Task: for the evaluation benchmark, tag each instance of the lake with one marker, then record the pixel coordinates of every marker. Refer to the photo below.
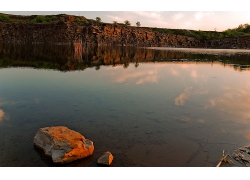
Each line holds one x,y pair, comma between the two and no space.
148,107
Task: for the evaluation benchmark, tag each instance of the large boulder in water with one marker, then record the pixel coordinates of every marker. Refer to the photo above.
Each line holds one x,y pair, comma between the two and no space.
62,144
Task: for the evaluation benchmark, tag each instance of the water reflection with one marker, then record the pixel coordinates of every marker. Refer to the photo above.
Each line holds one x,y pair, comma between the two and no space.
180,100
141,77
169,113
79,57
233,100
1,115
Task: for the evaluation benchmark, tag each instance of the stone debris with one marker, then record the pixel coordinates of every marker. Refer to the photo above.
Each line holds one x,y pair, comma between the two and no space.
244,149
106,158
241,155
62,144
240,158
246,158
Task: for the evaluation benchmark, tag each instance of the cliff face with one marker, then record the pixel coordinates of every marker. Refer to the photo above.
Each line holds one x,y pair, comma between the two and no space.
107,34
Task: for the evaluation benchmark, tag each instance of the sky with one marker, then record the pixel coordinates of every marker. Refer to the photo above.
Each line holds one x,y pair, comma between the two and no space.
195,15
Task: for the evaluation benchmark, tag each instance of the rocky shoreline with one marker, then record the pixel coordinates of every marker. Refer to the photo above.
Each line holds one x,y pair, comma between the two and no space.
240,158
69,30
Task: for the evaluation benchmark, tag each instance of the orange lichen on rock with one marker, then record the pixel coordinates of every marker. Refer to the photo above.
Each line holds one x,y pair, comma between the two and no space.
106,158
62,144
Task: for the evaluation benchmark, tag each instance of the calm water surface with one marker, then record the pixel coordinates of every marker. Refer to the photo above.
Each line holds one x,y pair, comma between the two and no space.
147,107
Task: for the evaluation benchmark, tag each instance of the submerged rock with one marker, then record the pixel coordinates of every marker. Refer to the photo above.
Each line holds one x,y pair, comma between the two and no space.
246,158
62,144
106,158
244,149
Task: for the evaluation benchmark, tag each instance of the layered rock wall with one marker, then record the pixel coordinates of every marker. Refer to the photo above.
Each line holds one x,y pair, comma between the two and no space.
108,34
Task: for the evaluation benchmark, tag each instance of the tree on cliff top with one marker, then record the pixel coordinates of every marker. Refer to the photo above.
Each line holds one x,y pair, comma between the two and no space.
127,23
138,24
98,19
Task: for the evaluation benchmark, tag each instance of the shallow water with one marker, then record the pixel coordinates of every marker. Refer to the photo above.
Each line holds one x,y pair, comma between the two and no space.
147,107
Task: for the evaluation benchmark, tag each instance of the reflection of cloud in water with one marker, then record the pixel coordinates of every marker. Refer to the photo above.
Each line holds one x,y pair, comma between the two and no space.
193,74
1,114
236,102
141,77
201,121
180,100
174,72
185,66
245,133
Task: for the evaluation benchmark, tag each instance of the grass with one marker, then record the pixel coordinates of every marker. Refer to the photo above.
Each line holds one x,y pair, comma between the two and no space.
4,18
44,19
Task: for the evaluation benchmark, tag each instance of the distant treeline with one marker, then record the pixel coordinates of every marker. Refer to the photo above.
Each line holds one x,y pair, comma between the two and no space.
241,30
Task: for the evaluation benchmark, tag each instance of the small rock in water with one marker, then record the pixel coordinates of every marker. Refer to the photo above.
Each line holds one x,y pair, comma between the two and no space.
62,144
246,158
248,147
106,158
237,154
243,149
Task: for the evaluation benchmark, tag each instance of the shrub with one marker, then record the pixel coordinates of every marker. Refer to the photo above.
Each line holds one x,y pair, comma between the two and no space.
127,23
39,19
98,19
4,18
81,21
138,24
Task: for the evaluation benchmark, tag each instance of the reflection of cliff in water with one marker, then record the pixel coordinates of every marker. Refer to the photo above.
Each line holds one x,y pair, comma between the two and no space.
79,57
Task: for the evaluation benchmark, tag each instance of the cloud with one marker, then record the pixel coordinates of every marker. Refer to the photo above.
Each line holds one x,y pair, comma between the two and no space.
177,17
116,18
174,72
198,16
154,15
1,114
139,77
201,121
193,74
180,100
235,102
185,66
245,133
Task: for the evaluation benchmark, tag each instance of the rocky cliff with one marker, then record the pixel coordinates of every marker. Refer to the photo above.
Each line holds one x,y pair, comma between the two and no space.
70,31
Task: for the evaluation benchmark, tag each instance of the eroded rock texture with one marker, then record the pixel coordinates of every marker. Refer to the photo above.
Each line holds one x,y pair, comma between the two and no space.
69,31
62,144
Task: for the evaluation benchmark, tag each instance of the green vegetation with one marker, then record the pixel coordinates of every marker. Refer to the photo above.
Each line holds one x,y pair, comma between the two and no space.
242,30
44,19
190,33
98,19
4,18
78,20
127,23
138,24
